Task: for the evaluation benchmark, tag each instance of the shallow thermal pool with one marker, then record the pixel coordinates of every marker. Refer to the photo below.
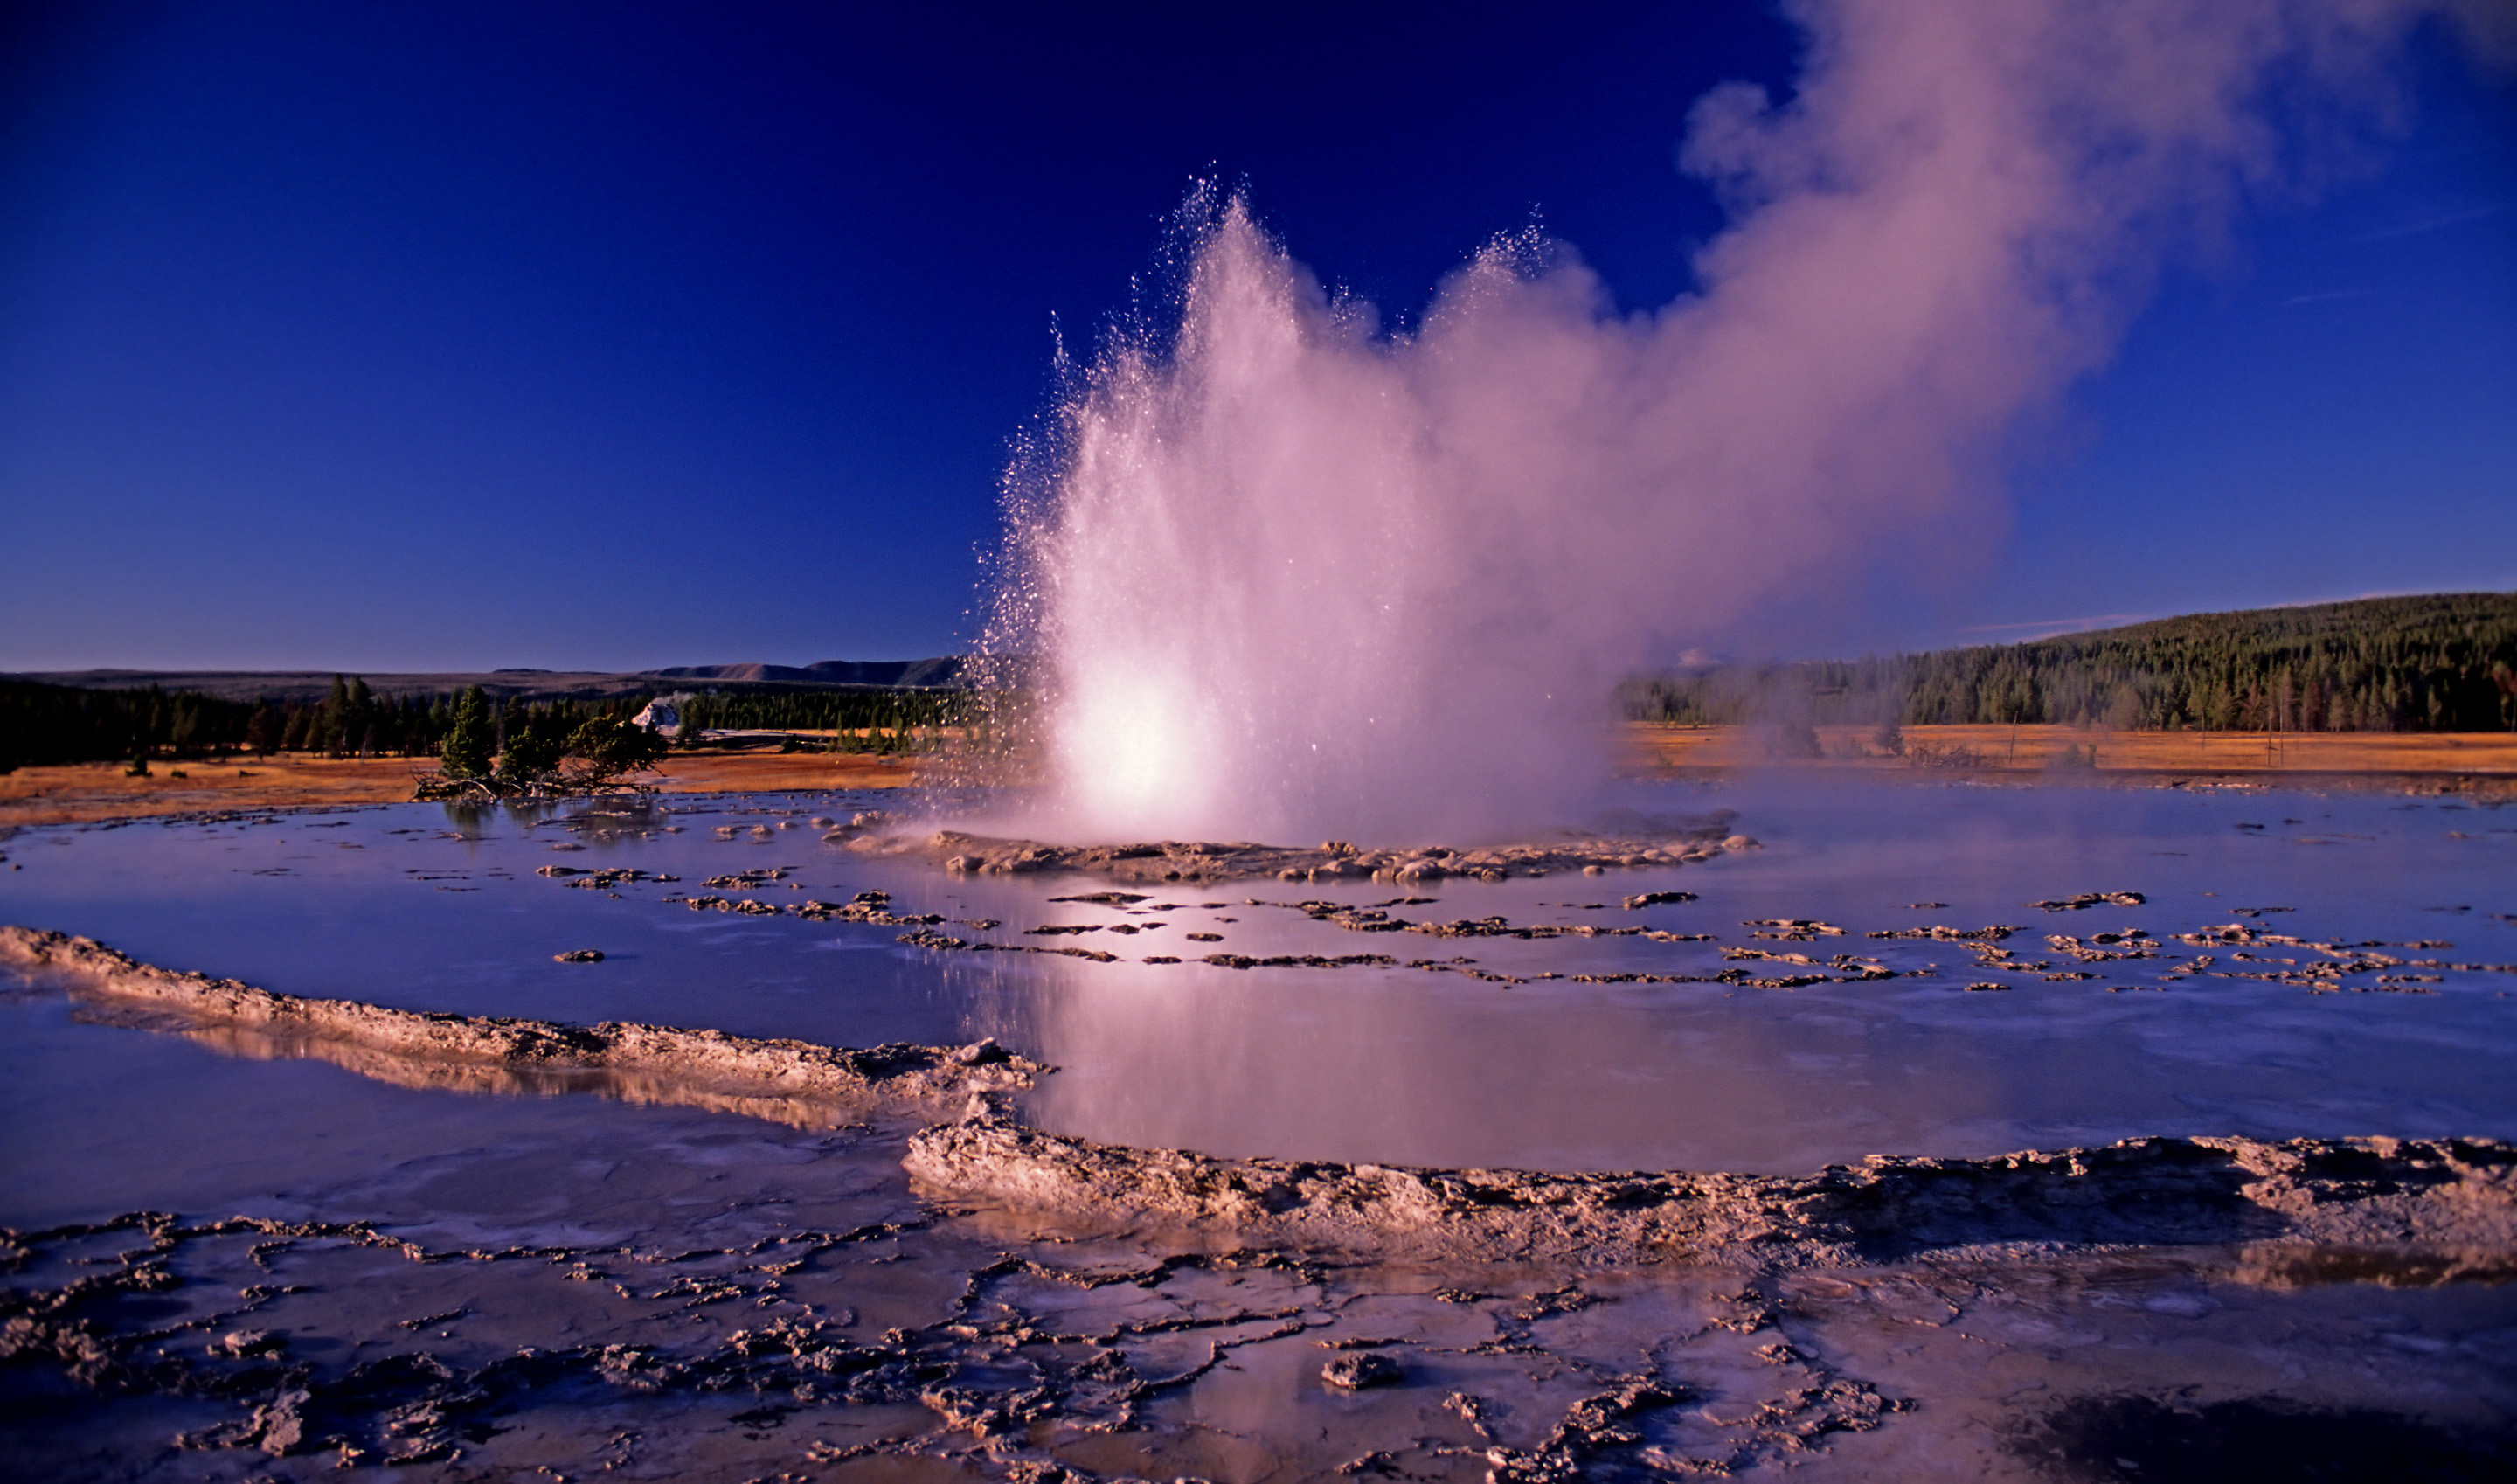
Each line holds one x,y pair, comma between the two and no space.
368,1267
418,907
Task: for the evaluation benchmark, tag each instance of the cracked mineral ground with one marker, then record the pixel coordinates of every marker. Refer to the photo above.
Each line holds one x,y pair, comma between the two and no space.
1900,1134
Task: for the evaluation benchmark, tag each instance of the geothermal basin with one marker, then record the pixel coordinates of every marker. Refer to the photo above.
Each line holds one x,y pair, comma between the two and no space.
1336,1181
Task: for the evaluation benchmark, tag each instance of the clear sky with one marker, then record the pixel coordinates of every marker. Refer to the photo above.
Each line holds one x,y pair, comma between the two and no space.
446,336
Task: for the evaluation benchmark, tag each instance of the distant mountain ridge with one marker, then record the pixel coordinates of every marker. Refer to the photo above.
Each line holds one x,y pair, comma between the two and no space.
942,670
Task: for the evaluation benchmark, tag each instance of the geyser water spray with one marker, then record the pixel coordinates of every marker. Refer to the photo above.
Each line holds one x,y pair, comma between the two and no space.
1288,576
1258,603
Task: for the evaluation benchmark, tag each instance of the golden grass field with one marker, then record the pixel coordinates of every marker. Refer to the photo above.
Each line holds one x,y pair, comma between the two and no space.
84,791
2036,748
87,791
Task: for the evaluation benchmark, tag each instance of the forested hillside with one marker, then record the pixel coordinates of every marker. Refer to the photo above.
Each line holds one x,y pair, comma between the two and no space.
2439,663
823,709
64,724
2446,663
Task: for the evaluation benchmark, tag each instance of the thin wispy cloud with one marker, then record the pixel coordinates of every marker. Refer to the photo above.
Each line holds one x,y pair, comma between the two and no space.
2503,584
2436,224
2029,630
2057,625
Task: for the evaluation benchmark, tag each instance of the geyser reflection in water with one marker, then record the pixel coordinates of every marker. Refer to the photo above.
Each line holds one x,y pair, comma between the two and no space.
1293,577
1400,1065
1371,1067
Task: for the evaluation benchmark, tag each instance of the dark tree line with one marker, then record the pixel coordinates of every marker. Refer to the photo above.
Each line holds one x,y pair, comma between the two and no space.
65,724
848,710
61,724
523,751
2440,664
43,724
863,720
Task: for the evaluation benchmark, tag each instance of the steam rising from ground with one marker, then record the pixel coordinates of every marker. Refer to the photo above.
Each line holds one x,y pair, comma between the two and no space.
1293,577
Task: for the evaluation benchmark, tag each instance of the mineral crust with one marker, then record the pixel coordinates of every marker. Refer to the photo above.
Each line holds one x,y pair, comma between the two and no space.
1655,842
661,1063
2454,1199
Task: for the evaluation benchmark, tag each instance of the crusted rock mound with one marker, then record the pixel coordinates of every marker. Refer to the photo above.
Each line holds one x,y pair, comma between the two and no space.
790,1079
2452,1198
1629,842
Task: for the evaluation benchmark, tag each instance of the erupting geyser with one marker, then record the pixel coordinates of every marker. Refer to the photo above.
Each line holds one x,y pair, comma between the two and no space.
1294,577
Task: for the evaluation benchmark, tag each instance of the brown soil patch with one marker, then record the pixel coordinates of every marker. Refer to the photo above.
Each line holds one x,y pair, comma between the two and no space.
777,772
79,793
1653,747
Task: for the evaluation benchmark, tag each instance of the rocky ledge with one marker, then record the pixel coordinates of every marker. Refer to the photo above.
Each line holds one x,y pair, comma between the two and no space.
2450,1203
2452,1199
421,1046
1629,843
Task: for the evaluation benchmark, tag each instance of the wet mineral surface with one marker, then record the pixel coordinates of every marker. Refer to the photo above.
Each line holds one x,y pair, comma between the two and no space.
803,1190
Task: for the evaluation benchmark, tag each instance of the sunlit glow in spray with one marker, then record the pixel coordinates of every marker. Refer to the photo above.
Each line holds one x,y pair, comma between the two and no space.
1291,577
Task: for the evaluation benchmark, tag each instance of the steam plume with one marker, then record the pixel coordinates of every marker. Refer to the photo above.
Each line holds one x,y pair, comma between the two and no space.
1293,577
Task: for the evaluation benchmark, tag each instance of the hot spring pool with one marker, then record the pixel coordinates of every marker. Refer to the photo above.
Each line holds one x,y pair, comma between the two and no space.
418,907
356,1266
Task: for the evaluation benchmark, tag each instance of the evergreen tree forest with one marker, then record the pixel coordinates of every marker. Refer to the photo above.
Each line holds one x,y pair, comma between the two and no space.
856,708
541,751
65,724
42,724
2446,663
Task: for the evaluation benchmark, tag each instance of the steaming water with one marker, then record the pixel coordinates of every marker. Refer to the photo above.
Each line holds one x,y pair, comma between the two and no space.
1296,577
694,1221
1393,1065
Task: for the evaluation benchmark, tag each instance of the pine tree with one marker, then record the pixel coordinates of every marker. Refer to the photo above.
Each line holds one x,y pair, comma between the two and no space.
611,747
535,747
358,717
469,738
262,733
332,720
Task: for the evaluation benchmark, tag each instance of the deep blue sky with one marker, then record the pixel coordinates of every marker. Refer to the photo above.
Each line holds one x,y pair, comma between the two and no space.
443,336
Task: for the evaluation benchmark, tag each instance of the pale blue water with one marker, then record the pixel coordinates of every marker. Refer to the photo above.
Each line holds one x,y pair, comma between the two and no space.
413,907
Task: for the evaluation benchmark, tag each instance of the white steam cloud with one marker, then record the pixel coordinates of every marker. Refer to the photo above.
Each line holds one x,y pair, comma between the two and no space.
1294,577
